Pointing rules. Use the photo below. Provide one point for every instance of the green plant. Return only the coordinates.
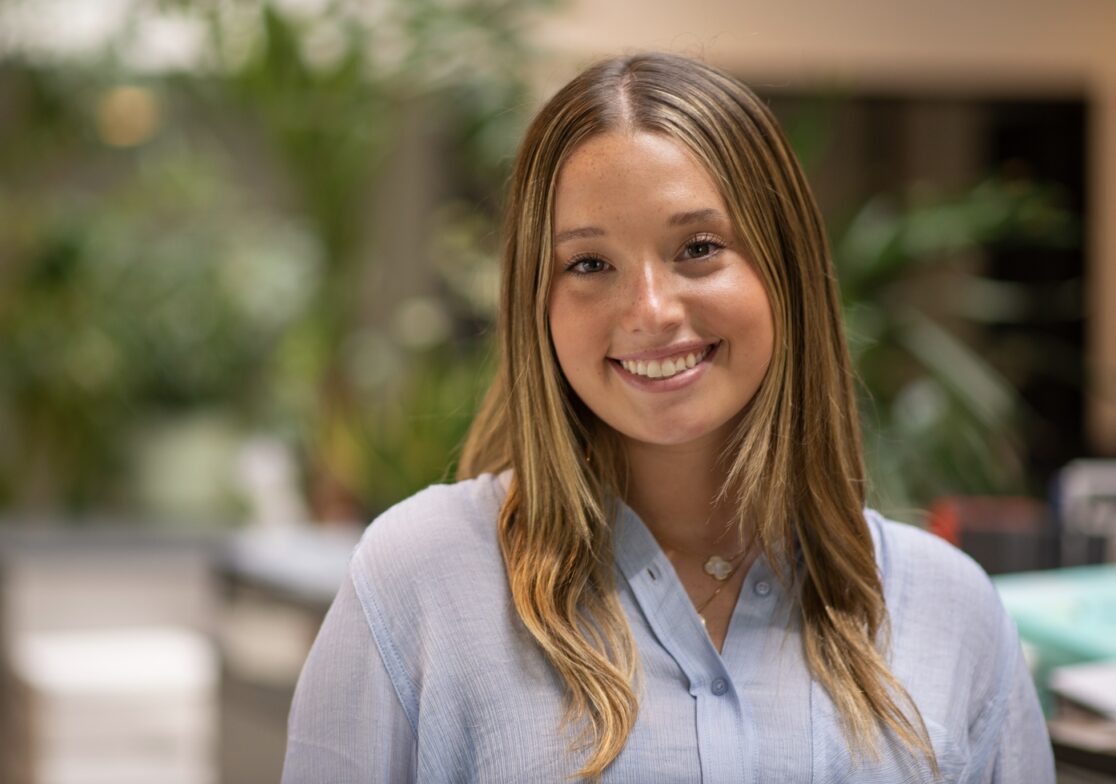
(940, 415)
(194, 237)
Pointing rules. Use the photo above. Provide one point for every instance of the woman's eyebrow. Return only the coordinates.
(579, 233)
(677, 219)
(695, 216)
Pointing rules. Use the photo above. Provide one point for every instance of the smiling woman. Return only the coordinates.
(658, 565)
(660, 323)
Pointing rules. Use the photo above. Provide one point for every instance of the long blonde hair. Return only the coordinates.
(794, 465)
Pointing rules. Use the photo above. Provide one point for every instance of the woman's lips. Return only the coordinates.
(667, 374)
(667, 366)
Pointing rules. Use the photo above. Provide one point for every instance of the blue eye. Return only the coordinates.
(587, 265)
(702, 248)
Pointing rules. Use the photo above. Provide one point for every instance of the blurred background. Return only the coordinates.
(248, 279)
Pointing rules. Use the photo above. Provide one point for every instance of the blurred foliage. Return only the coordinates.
(941, 415)
(186, 238)
(186, 231)
(161, 290)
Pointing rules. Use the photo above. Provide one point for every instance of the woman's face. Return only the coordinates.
(660, 323)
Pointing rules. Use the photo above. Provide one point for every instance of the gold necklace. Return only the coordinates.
(720, 569)
(716, 566)
(700, 608)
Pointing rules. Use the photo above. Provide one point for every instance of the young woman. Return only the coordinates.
(658, 566)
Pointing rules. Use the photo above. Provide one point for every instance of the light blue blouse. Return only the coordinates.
(422, 670)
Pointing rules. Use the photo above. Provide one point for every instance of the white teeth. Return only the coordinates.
(664, 368)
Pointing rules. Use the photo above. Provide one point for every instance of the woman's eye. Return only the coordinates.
(586, 266)
(700, 249)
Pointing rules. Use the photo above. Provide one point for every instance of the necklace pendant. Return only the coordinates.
(702, 619)
(718, 568)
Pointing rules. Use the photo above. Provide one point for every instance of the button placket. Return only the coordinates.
(662, 601)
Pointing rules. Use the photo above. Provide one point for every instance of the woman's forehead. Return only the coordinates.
(613, 174)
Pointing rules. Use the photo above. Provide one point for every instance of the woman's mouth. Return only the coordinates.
(666, 367)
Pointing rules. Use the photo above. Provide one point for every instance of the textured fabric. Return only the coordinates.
(423, 672)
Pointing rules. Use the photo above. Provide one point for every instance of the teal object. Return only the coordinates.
(1064, 616)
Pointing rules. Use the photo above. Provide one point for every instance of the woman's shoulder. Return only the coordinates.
(442, 533)
(930, 584)
(428, 579)
(910, 556)
(952, 644)
(442, 522)
(935, 593)
(425, 561)
(442, 508)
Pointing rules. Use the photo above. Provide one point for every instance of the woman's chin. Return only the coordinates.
(685, 438)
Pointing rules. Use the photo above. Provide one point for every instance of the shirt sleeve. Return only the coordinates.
(1022, 749)
(346, 723)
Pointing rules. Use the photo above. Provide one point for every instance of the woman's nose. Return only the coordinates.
(653, 303)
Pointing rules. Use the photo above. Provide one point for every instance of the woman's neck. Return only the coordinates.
(674, 490)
